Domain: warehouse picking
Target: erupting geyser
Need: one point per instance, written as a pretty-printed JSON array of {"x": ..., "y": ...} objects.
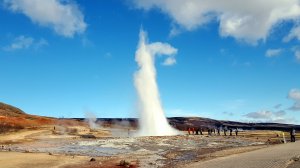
[{"x": 152, "y": 120}]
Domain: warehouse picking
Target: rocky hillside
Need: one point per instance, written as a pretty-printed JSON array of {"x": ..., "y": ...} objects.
[
  {"x": 13, "y": 118},
  {"x": 10, "y": 111}
]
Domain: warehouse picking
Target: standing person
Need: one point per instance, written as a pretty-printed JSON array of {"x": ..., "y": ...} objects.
[
  {"x": 197, "y": 131},
  {"x": 218, "y": 129},
  {"x": 230, "y": 129},
  {"x": 193, "y": 130},
  {"x": 189, "y": 131},
  {"x": 225, "y": 130},
  {"x": 236, "y": 131},
  {"x": 201, "y": 133},
  {"x": 293, "y": 134}
]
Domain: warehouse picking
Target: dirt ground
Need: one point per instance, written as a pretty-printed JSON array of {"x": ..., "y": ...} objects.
[
  {"x": 38, "y": 160},
  {"x": 74, "y": 147}
]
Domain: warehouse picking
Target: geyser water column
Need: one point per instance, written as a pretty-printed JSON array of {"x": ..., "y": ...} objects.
[{"x": 152, "y": 120}]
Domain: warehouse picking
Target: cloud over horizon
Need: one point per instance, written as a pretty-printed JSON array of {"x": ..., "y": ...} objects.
[
  {"x": 294, "y": 95},
  {"x": 269, "y": 116},
  {"x": 237, "y": 19},
  {"x": 64, "y": 17}
]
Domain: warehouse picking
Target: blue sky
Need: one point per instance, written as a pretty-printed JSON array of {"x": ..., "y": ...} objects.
[{"x": 63, "y": 58}]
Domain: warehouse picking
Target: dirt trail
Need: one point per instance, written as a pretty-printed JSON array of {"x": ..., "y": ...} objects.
[
  {"x": 278, "y": 156},
  {"x": 21, "y": 135}
]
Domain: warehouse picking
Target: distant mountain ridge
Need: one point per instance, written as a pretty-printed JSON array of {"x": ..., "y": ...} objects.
[{"x": 182, "y": 123}]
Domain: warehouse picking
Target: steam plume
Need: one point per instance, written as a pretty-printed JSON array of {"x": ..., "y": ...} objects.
[
  {"x": 152, "y": 120},
  {"x": 91, "y": 119}
]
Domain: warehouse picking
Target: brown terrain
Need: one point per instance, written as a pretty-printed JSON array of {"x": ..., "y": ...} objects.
[{"x": 35, "y": 141}]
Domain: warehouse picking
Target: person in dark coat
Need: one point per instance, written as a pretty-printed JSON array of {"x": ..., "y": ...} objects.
[
  {"x": 218, "y": 130},
  {"x": 293, "y": 135},
  {"x": 197, "y": 131},
  {"x": 236, "y": 131},
  {"x": 230, "y": 130}
]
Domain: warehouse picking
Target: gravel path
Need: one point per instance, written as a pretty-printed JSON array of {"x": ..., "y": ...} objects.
[{"x": 278, "y": 156}]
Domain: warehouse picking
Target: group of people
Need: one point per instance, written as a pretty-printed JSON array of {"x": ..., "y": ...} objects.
[
  {"x": 217, "y": 131},
  {"x": 193, "y": 131},
  {"x": 212, "y": 131}
]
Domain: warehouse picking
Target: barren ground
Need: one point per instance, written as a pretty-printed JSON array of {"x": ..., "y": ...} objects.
[{"x": 75, "y": 146}]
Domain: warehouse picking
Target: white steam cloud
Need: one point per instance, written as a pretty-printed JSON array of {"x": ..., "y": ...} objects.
[
  {"x": 91, "y": 118},
  {"x": 152, "y": 118}
]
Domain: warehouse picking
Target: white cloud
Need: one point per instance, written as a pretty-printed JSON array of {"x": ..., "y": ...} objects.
[
  {"x": 294, "y": 95},
  {"x": 294, "y": 33},
  {"x": 260, "y": 115},
  {"x": 169, "y": 61},
  {"x": 20, "y": 42},
  {"x": 64, "y": 17},
  {"x": 23, "y": 42},
  {"x": 273, "y": 52},
  {"x": 269, "y": 116},
  {"x": 297, "y": 55},
  {"x": 249, "y": 21}
]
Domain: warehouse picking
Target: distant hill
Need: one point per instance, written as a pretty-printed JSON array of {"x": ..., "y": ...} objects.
[
  {"x": 182, "y": 123},
  {"x": 20, "y": 117},
  {"x": 10, "y": 111},
  {"x": 13, "y": 118}
]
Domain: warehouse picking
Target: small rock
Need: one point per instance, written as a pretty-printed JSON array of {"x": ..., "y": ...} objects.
[
  {"x": 88, "y": 136},
  {"x": 124, "y": 163}
]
